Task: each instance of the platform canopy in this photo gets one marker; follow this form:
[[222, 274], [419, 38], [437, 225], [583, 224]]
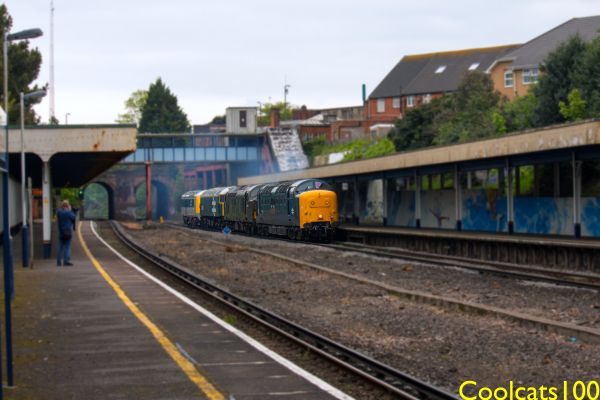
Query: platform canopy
[[520, 147], [76, 153]]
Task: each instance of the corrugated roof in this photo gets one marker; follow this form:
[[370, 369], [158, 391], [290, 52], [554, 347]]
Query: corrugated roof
[[533, 53], [416, 74]]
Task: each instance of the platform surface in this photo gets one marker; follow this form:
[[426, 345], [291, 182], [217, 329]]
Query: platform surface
[[74, 338]]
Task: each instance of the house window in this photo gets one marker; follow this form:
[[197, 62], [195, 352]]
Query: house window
[[396, 102], [473, 66], [410, 101], [508, 79], [243, 119], [440, 69], [530, 76], [427, 99], [380, 105]]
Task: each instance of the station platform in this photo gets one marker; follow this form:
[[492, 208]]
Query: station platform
[[550, 251], [103, 330]]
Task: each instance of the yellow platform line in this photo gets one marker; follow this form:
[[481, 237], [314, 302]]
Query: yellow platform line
[[190, 370]]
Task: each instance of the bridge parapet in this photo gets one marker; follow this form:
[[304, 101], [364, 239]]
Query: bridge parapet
[[197, 148]]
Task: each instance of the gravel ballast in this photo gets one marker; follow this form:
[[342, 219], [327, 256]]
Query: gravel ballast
[[444, 347]]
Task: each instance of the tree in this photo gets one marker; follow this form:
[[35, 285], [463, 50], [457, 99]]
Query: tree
[[587, 78], [468, 114], [559, 72], [473, 108], [416, 129], [520, 113], [161, 113], [23, 68], [575, 108], [219, 119], [133, 108], [285, 112]]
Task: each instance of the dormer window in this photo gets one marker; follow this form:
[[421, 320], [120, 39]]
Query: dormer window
[[473, 66], [440, 69]]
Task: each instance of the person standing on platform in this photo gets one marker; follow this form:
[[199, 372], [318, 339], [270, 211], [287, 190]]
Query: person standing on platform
[[66, 225]]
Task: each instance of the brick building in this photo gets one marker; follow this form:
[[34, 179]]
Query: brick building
[[515, 72]]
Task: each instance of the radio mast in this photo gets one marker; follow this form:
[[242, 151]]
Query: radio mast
[[51, 83]]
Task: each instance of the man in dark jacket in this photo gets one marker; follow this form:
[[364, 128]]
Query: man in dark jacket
[[66, 224]]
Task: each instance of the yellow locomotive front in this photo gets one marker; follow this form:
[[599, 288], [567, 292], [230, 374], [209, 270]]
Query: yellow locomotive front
[[318, 214]]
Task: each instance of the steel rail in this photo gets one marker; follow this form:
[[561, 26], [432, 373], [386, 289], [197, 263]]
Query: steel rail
[[388, 378], [565, 278], [531, 273]]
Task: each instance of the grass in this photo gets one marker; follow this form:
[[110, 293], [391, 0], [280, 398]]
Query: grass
[[230, 319]]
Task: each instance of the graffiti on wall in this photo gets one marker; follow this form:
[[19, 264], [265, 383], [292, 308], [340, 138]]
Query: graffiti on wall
[[486, 210]]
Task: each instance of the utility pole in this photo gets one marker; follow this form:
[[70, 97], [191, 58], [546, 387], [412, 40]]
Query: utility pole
[[286, 89], [51, 82]]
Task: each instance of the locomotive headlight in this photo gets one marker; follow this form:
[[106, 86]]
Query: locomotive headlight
[[320, 216]]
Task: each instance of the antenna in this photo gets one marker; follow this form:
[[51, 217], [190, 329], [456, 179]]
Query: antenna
[[51, 83], [286, 89]]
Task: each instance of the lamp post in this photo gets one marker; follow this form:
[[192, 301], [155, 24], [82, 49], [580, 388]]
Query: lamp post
[[67, 118], [24, 230], [8, 267]]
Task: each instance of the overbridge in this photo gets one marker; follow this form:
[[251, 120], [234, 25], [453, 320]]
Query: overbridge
[[171, 164]]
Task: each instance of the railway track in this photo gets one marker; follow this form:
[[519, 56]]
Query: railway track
[[530, 273], [557, 277], [390, 379], [588, 334]]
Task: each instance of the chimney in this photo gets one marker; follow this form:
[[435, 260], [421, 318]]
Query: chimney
[[274, 118]]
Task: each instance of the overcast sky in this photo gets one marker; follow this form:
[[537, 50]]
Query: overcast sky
[[213, 54]]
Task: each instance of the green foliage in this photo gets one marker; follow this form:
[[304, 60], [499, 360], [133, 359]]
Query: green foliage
[[23, 68], [417, 128], [559, 74], [314, 147], [588, 78], [499, 121], [96, 201], [381, 147], [161, 113], [575, 108], [358, 149], [218, 119], [520, 113], [71, 194], [472, 110], [133, 108], [285, 112], [470, 113], [230, 319]]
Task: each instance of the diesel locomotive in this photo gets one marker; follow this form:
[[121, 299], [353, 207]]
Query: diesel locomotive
[[299, 210]]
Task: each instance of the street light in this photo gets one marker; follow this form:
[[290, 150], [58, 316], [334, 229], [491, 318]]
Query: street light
[[67, 118], [24, 231], [7, 250]]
